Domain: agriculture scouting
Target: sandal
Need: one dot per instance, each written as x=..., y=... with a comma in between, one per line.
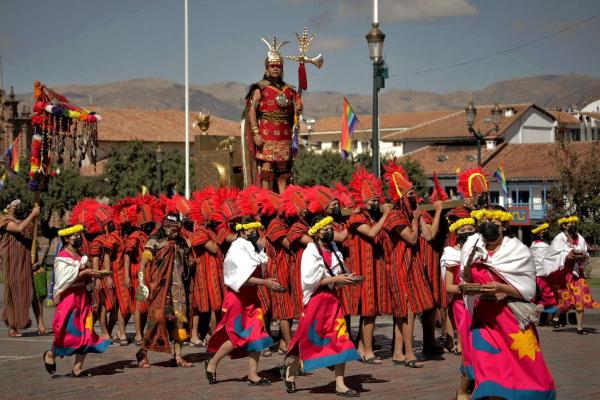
x=211, y=376
x=50, y=368
x=260, y=382
x=14, y=333
x=348, y=393
x=266, y=353
x=141, y=359
x=44, y=332
x=398, y=362
x=181, y=363
x=372, y=360
x=81, y=374
x=449, y=344
x=414, y=364
x=582, y=332
x=199, y=343
x=290, y=386
x=556, y=322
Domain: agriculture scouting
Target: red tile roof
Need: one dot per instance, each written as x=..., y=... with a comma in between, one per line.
x=454, y=126
x=565, y=118
x=121, y=125
x=595, y=115
x=535, y=161
x=386, y=121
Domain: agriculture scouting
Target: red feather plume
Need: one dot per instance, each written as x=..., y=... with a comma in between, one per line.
x=363, y=181
x=201, y=207
x=438, y=191
x=397, y=180
x=293, y=201
x=317, y=196
x=344, y=195
x=247, y=201
x=219, y=198
x=269, y=202
x=463, y=181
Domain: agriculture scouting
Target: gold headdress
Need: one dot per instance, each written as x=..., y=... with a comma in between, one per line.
x=274, y=55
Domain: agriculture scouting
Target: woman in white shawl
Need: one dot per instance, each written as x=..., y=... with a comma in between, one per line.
x=499, y=277
x=73, y=323
x=241, y=331
x=564, y=265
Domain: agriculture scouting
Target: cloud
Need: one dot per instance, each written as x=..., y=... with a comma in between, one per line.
x=406, y=10
x=329, y=43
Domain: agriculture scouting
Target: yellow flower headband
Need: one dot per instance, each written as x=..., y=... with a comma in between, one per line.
x=71, y=230
x=498, y=215
x=566, y=220
x=460, y=223
x=250, y=225
x=320, y=225
x=540, y=228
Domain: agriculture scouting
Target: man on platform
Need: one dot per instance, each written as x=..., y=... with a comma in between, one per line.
x=271, y=108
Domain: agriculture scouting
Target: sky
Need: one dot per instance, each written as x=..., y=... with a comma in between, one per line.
x=93, y=42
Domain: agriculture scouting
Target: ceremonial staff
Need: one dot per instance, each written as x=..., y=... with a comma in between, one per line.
x=304, y=41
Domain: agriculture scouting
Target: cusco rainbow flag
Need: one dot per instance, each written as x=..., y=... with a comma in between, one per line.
x=349, y=121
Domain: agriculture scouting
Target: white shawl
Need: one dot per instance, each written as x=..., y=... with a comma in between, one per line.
x=240, y=262
x=559, y=249
x=512, y=261
x=313, y=270
x=66, y=271
x=539, y=250
x=450, y=257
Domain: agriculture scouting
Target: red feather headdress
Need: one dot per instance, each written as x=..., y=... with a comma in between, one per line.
x=224, y=204
x=293, y=201
x=397, y=181
x=247, y=201
x=472, y=182
x=201, y=205
x=343, y=194
x=365, y=186
x=318, y=198
x=438, y=191
x=269, y=202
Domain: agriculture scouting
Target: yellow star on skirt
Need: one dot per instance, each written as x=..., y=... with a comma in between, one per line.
x=341, y=328
x=525, y=343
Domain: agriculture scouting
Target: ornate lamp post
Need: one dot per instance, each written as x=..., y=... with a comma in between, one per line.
x=471, y=113
x=375, y=39
x=159, y=160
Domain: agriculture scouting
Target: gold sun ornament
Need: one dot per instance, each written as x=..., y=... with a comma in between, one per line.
x=525, y=342
x=202, y=122
x=341, y=328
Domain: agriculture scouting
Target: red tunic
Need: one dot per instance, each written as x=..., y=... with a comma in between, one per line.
x=134, y=247
x=114, y=246
x=406, y=274
x=278, y=267
x=349, y=295
x=275, y=120
x=294, y=236
x=370, y=259
x=103, y=296
x=207, y=285
x=430, y=252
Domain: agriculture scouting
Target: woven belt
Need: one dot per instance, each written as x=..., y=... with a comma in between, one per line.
x=275, y=117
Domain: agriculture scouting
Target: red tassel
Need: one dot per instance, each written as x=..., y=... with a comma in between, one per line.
x=302, y=82
x=438, y=191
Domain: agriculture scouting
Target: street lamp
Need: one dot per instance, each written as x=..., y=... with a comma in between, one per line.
x=375, y=39
x=471, y=113
x=159, y=160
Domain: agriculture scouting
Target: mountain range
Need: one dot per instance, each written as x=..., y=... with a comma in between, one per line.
x=225, y=99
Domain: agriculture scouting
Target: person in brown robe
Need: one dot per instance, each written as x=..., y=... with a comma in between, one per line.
x=15, y=248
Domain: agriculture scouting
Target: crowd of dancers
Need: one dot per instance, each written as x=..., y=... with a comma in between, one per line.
x=216, y=270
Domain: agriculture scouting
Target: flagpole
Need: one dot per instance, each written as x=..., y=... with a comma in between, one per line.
x=187, y=103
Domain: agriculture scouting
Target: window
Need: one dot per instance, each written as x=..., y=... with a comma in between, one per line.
x=354, y=145
x=575, y=134
x=396, y=143
x=494, y=197
x=520, y=196
x=451, y=191
x=335, y=145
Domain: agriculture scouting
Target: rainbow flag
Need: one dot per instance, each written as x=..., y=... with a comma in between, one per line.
x=501, y=177
x=12, y=156
x=349, y=121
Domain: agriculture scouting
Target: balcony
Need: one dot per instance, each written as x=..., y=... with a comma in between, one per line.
x=537, y=212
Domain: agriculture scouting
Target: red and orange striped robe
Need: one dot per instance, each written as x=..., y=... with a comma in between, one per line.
x=278, y=267
x=207, y=286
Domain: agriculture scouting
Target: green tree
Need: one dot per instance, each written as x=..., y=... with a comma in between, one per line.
x=577, y=191
x=134, y=164
x=311, y=168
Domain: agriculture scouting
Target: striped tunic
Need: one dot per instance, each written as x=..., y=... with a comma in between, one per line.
x=349, y=295
x=206, y=289
x=134, y=247
x=103, y=295
x=114, y=246
x=405, y=271
x=430, y=252
x=294, y=236
x=18, y=283
x=278, y=267
x=370, y=260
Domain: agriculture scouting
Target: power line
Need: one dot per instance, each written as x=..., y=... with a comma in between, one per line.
x=478, y=59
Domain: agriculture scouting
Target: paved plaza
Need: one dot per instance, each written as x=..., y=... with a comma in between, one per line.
x=573, y=360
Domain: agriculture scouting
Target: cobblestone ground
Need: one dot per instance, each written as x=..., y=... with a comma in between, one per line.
x=573, y=360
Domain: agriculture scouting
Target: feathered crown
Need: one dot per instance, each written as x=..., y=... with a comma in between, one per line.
x=124, y=211
x=201, y=207
x=224, y=205
x=472, y=182
x=397, y=180
x=247, y=201
x=83, y=214
x=342, y=193
x=438, y=191
x=274, y=55
x=293, y=201
x=147, y=209
x=318, y=198
x=269, y=202
x=365, y=186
